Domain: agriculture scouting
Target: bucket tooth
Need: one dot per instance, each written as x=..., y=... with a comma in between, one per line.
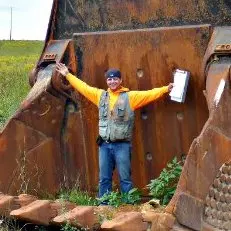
x=126, y=221
x=81, y=216
x=22, y=200
x=37, y=212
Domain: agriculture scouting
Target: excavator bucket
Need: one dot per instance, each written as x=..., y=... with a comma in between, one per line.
x=49, y=143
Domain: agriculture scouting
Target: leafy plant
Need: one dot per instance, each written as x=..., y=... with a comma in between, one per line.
x=116, y=199
x=112, y=198
x=164, y=187
x=132, y=197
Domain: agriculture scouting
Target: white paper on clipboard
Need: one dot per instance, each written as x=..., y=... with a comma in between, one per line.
x=181, y=79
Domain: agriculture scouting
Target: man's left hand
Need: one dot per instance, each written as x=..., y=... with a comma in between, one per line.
x=170, y=86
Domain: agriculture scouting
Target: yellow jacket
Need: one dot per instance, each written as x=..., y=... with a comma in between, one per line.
x=137, y=99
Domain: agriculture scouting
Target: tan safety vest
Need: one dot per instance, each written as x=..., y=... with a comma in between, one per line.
x=115, y=125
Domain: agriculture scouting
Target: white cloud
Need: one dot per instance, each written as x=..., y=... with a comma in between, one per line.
x=30, y=19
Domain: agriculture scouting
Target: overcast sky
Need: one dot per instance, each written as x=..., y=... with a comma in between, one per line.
x=29, y=19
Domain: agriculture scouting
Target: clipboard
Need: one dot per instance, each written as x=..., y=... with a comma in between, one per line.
x=181, y=79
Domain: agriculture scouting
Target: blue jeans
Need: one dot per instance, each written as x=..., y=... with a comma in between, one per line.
x=111, y=155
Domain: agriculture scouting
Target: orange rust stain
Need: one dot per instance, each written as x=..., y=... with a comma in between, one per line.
x=153, y=9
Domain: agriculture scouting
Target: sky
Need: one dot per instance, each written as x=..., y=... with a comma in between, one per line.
x=30, y=19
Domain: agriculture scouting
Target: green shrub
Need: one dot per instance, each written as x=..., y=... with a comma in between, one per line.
x=164, y=187
x=116, y=199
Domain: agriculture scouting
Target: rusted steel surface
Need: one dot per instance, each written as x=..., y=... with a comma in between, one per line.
x=205, y=181
x=163, y=129
x=71, y=16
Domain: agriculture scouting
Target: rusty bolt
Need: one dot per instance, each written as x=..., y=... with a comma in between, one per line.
x=214, y=213
x=229, y=189
x=229, y=171
x=219, y=206
x=140, y=73
x=220, y=224
x=225, y=207
x=179, y=116
x=218, y=174
x=212, y=221
x=220, y=187
x=225, y=169
x=223, y=178
x=228, y=198
x=59, y=107
x=220, y=215
x=228, y=180
x=222, y=197
x=225, y=189
x=217, y=196
x=144, y=115
x=208, y=212
x=212, y=192
x=208, y=201
x=148, y=156
x=43, y=98
x=216, y=183
x=213, y=203
x=53, y=121
x=226, y=216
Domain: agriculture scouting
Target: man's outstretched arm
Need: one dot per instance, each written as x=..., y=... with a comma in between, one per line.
x=91, y=93
x=139, y=99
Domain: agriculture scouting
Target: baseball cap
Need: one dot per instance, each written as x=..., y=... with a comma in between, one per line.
x=112, y=72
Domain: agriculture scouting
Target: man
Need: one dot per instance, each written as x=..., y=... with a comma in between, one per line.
x=116, y=120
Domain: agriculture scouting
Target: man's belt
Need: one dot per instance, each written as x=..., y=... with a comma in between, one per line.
x=116, y=141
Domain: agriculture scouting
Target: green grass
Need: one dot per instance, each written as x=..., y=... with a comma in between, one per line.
x=17, y=59
x=20, y=48
x=77, y=196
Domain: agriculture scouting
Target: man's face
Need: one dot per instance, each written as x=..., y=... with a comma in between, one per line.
x=114, y=83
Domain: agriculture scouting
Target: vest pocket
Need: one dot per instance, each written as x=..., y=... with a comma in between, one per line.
x=121, y=130
x=103, y=128
x=121, y=112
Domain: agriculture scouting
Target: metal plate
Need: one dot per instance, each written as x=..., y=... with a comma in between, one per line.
x=163, y=129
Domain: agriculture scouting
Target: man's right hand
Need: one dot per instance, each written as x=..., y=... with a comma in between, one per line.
x=62, y=69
